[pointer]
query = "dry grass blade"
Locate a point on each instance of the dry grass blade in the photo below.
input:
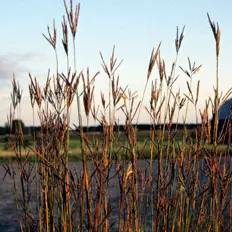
(173, 82)
(197, 69)
(16, 96)
(37, 91)
(160, 106)
(32, 99)
(227, 94)
(182, 102)
(47, 86)
(104, 66)
(189, 89)
(213, 27)
(153, 60)
(116, 68)
(179, 39)
(136, 110)
(51, 38)
(65, 35)
(197, 94)
(112, 67)
(191, 100)
(161, 67)
(72, 18)
(216, 32)
(112, 60)
(190, 65)
(88, 93)
(94, 110)
(185, 71)
(103, 100)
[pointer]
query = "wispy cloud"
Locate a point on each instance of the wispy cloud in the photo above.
(11, 63)
(9, 66)
(29, 56)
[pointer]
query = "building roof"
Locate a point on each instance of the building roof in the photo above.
(225, 110)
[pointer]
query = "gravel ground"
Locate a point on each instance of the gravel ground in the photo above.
(8, 212)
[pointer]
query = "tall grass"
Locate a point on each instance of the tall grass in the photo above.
(182, 186)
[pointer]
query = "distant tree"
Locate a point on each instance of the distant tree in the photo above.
(7, 128)
(16, 126)
(3, 130)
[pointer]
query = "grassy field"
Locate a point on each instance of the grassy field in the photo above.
(120, 148)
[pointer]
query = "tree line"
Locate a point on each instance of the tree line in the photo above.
(7, 129)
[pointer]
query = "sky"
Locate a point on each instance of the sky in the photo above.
(134, 27)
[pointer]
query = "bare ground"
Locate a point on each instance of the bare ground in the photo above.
(8, 211)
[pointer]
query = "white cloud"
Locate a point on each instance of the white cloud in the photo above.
(28, 56)
(7, 67)
(13, 63)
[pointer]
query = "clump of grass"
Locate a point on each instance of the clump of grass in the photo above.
(181, 185)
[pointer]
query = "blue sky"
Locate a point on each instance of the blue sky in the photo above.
(134, 27)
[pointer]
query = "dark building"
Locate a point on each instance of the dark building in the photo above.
(225, 121)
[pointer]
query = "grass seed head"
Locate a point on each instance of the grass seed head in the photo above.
(153, 60)
(72, 17)
(65, 35)
(216, 33)
(51, 38)
(179, 39)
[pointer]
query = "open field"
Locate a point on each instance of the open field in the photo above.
(142, 147)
